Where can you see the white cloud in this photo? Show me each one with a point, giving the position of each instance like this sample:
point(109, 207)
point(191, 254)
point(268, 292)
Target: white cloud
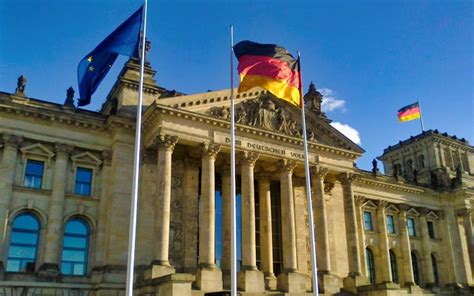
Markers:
point(330, 102)
point(347, 131)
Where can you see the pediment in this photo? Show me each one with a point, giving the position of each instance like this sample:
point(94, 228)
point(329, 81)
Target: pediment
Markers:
point(270, 113)
point(86, 158)
point(413, 212)
point(38, 150)
point(370, 205)
point(432, 216)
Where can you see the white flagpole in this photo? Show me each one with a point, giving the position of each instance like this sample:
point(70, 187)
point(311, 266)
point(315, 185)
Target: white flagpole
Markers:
point(308, 189)
point(421, 117)
point(233, 223)
point(136, 168)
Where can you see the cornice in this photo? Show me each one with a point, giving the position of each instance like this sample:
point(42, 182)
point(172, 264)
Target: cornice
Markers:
point(61, 116)
point(386, 184)
point(153, 111)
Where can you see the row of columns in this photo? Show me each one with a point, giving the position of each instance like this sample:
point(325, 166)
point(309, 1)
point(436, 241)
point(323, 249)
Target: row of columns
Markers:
point(209, 277)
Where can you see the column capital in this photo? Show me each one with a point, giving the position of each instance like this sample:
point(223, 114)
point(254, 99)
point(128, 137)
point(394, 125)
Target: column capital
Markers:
point(210, 149)
point(286, 166)
point(346, 178)
point(12, 141)
point(249, 158)
point(107, 157)
point(359, 200)
point(319, 171)
point(63, 149)
point(165, 142)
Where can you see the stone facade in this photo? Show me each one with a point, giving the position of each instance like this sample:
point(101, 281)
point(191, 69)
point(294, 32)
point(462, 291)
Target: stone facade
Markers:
point(408, 231)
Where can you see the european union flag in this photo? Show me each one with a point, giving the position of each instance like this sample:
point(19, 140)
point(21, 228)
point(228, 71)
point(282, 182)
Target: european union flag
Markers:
point(94, 66)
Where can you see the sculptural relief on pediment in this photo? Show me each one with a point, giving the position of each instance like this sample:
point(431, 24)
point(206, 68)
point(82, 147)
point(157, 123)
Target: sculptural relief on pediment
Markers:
point(264, 113)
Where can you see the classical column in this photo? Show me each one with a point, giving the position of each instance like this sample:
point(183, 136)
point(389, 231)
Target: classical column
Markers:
point(165, 145)
point(102, 211)
point(405, 246)
point(386, 274)
point(56, 211)
point(209, 277)
point(250, 279)
point(466, 215)
point(359, 202)
point(289, 280)
point(354, 279)
point(266, 244)
point(320, 221)
point(426, 248)
point(7, 174)
point(226, 225)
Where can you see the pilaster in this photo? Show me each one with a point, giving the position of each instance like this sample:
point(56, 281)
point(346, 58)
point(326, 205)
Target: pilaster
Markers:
point(405, 246)
point(386, 276)
point(50, 267)
point(11, 144)
point(426, 249)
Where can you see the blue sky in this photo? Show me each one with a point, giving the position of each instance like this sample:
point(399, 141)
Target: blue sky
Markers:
point(370, 58)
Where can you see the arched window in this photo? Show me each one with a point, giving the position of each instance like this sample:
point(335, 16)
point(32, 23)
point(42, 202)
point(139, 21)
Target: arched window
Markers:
point(421, 161)
point(416, 270)
point(370, 265)
point(434, 265)
point(393, 267)
point(23, 243)
point(75, 247)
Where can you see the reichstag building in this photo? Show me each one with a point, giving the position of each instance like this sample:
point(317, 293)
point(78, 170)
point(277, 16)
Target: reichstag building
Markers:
point(66, 182)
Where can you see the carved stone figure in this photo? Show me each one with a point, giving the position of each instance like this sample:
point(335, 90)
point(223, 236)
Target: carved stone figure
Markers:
point(69, 97)
point(314, 99)
point(375, 168)
point(20, 86)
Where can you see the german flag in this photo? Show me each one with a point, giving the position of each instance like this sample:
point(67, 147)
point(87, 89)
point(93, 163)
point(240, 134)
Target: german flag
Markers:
point(271, 67)
point(409, 112)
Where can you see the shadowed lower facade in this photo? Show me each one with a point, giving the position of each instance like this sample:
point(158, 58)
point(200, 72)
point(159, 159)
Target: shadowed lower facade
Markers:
point(65, 189)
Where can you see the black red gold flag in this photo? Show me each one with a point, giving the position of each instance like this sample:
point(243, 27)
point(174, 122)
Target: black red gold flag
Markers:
point(270, 67)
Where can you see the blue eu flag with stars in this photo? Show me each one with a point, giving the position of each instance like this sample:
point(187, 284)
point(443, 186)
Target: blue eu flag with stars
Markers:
point(94, 66)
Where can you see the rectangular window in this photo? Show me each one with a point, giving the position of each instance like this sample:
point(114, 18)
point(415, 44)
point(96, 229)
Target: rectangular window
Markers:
point(431, 231)
point(34, 174)
point(390, 224)
point(83, 181)
point(411, 227)
point(368, 221)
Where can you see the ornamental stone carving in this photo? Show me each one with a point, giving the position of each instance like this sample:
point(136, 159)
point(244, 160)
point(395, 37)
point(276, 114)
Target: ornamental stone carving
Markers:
point(328, 187)
point(210, 149)
point(359, 200)
point(319, 171)
point(382, 204)
point(63, 148)
point(346, 178)
point(166, 142)
point(286, 166)
point(107, 157)
point(20, 86)
point(262, 112)
point(249, 158)
point(12, 141)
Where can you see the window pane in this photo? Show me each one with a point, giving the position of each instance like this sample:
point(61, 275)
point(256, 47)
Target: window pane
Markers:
point(24, 238)
point(390, 224)
point(84, 175)
point(13, 265)
point(368, 221)
point(75, 242)
point(26, 221)
point(76, 227)
point(78, 269)
point(34, 168)
point(75, 256)
point(66, 268)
